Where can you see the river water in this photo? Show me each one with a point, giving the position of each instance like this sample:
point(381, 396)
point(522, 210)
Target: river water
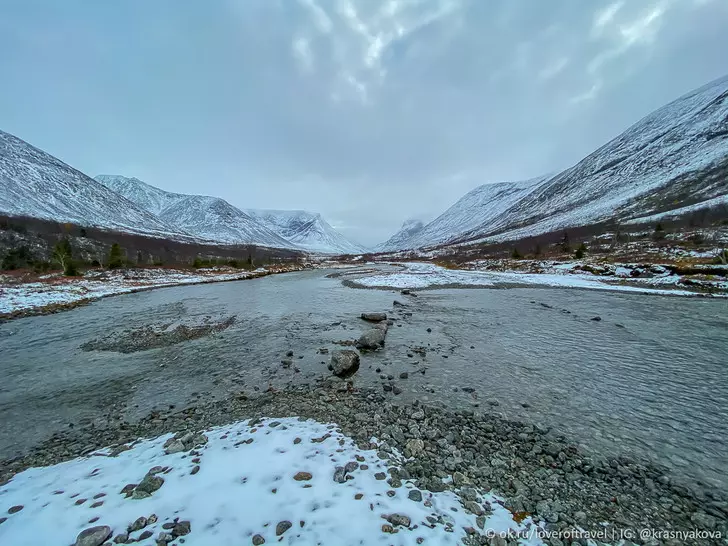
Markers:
point(650, 378)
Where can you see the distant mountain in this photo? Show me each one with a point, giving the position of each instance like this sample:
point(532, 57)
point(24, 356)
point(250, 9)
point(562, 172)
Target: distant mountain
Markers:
point(34, 183)
point(307, 230)
point(209, 218)
point(673, 161)
point(402, 239)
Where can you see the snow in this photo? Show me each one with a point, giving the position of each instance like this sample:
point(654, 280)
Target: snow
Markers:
point(94, 285)
point(634, 178)
point(242, 489)
point(36, 184)
point(425, 275)
point(401, 240)
point(307, 230)
point(207, 218)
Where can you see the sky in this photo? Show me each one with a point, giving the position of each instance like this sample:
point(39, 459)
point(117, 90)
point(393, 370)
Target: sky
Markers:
point(369, 112)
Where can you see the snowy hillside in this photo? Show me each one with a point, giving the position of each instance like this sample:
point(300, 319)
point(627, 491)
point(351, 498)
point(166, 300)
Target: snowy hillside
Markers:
point(401, 239)
point(307, 230)
point(209, 218)
point(36, 184)
point(674, 159)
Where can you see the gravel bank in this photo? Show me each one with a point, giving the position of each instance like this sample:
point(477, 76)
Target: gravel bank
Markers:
point(537, 471)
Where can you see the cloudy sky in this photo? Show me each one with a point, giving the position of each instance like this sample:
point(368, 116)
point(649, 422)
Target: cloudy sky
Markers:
point(367, 111)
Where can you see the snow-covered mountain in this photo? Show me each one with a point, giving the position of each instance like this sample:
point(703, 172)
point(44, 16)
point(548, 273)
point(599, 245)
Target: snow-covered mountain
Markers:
point(209, 218)
point(34, 183)
point(675, 158)
point(403, 238)
point(307, 230)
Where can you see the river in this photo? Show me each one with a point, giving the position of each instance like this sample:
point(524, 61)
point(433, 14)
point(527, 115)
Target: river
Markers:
point(650, 377)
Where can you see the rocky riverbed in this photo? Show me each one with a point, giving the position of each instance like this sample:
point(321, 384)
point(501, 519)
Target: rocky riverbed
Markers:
point(537, 472)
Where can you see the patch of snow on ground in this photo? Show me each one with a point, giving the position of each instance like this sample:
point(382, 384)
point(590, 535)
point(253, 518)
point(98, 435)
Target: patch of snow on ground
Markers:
point(245, 486)
point(98, 284)
point(423, 275)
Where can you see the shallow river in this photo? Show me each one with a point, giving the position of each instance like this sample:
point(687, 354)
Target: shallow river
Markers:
point(651, 377)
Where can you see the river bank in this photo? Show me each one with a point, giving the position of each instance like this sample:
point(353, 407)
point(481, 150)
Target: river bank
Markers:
point(658, 279)
point(532, 472)
point(53, 293)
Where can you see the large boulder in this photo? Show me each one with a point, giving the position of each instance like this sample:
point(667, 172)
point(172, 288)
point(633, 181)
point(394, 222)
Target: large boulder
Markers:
point(371, 340)
point(374, 317)
point(344, 362)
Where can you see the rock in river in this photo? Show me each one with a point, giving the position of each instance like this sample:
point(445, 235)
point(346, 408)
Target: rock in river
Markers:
point(344, 362)
point(371, 339)
point(374, 317)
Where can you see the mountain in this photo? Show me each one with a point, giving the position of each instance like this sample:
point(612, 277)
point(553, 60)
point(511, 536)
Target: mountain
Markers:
point(307, 230)
point(673, 161)
point(209, 218)
point(34, 183)
point(482, 205)
point(401, 239)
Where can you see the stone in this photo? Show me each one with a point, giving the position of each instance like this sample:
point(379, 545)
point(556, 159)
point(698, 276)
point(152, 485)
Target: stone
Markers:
point(93, 536)
point(121, 538)
point(150, 484)
point(15, 509)
point(596, 319)
point(418, 415)
point(344, 362)
point(398, 520)
point(415, 495)
point(302, 476)
point(414, 447)
point(139, 524)
point(175, 446)
point(371, 340)
point(282, 527)
point(145, 535)
point(339, 474)
point(374, 317)
point(181, 528)
point(258, 540)
point(404, 375)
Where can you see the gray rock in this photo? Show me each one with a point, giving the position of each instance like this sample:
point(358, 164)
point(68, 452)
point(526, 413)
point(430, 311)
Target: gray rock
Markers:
point(371, 339)
point(150, 484)
point(121, 538)
point(181, 528)
point(344, 362)
point(414, 447)
point(93, 536)
point(415, 495)
point(175, 446)
point(282, 527)
point(258, 540)
point(339, 474)
point(398, 519)
point(139, 523)
point(374, 317)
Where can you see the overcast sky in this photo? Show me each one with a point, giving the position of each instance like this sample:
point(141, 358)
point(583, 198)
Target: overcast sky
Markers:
point(369, 112)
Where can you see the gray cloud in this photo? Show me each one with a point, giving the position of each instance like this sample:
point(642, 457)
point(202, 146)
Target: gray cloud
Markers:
point(369, 112)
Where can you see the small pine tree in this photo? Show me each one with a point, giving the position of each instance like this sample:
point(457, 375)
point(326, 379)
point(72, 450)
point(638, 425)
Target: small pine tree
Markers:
point(140, 258)
point(250, 261)
point(116, 258)
point(659, 227)
point(197, 262)
point(565, 245)
point(515, 254)
point(579, 254)
point(537, 251)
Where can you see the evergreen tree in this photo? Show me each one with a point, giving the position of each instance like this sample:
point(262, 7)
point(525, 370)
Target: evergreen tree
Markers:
point(579, 254)
point(515, 254)
point(565, 245)
point(116, 258)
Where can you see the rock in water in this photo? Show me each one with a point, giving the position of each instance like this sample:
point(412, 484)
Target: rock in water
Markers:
point(344, 362)
point(371, 339)
point(374, 317)
point(93, 536)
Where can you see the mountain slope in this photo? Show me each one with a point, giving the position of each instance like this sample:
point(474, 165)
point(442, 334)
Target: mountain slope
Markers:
point(672, 160)
point(401, 239)
point(307, 230)
point(209, 218)
point(675, 157)
point(34, 183)
point(482, 205)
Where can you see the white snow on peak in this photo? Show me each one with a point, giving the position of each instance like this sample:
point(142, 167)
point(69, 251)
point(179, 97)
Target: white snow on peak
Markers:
point(209, 218)
point(33, 183)
point(400, 240)
point(307, 230)
point(673, 159)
